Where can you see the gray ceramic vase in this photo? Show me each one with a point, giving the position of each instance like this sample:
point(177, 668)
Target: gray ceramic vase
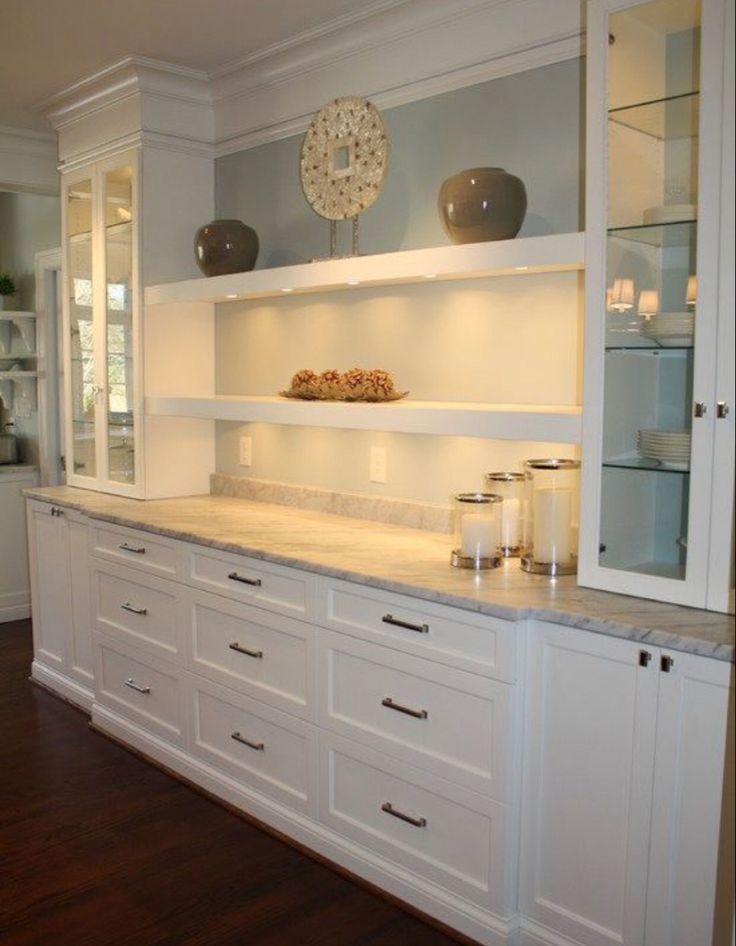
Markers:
point(226, 246)
point(482, 204)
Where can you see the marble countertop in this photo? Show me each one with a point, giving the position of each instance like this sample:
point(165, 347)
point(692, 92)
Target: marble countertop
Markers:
point(407, 561)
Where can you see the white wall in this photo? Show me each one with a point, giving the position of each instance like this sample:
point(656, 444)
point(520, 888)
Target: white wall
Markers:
point(515, 339)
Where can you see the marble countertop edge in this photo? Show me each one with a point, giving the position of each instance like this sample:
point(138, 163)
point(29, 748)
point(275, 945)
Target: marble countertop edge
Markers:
point(616, 624)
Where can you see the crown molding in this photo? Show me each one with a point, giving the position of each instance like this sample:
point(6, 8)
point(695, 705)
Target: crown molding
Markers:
point(391, 51)
point(406, 54)
point(28, 161)
point(335, 25)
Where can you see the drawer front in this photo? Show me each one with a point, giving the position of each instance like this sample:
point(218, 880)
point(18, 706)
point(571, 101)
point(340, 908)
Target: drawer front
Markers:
point(458, 638)
point(259, 746)
point(454, 724)
point(144, 611)
point(264, 655)
point(138, 549)
point(284, 590)
point(456, 840)
point(148, 694)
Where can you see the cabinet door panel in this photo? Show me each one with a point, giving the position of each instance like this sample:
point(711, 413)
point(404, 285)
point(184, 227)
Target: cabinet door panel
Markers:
point(51, 599)
point(81, 660)
point(587, 785)
point(691, 741)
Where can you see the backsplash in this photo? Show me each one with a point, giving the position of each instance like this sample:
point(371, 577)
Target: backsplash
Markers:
point(431, 517)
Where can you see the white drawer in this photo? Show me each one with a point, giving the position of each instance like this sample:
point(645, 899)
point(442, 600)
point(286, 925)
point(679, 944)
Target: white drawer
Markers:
point(459, 638)
point(145, 691)
point(261, 654)
point(445, 834)
point(454, 724)
point(261, 747)
point(150, 553)
point(285, 590)
point(143, 610)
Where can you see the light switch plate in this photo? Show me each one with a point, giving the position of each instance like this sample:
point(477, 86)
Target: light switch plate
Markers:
point(377, 471)
point(246, 451)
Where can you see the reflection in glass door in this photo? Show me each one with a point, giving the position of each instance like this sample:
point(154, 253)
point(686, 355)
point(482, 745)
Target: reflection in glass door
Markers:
point(81, 325)
point(118, 267)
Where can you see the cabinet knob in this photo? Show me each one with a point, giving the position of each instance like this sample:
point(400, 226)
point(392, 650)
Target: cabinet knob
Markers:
point(666, 663)
point(700, 409)
point(722, 410)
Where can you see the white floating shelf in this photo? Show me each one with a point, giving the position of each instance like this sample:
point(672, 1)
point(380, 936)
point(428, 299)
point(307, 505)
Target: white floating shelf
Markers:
point(544, 254)
point(449, 418)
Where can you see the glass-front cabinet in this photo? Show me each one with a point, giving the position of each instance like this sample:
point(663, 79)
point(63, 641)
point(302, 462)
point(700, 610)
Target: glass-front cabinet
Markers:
point(655, 117)
point(101, 318)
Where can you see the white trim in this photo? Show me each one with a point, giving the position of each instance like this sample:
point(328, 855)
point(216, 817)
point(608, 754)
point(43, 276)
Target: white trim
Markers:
point(392, 51)
point(15, 607)
point(69, 689)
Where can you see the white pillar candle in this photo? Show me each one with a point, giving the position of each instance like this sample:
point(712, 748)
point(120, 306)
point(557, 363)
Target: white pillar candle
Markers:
point(478, 535)
point(552, 519)
point(510, 523)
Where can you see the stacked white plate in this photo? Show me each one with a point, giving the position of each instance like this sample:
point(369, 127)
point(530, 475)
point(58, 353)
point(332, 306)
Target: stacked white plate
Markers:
point(670, 448)
point(670, 329)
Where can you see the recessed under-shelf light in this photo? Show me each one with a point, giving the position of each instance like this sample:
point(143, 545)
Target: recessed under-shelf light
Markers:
point(286, 289)
point(231, 295)
point(353, 282)
point(430, 275)
point(521, 269)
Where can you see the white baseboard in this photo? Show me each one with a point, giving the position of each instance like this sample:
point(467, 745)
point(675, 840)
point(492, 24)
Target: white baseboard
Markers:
point(467, 918)
point(15, 606)
point(69, 689)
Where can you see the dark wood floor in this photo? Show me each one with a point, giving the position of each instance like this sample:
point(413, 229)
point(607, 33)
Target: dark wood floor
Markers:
point(99, 848)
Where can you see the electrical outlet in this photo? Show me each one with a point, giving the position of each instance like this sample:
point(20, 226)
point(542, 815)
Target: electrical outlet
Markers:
point(246, 451)
point(377, 471)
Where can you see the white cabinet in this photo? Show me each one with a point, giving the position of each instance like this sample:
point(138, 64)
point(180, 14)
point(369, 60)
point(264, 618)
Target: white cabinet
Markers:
point(101, 324)
point(109, 353)
point(60, 601)
point(15, 595)
point(623, 777)
point(658, 423)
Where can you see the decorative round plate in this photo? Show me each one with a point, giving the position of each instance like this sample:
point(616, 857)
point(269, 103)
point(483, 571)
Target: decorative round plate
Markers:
point(344, 158)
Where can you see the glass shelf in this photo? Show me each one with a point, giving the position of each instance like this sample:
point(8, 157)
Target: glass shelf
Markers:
point(641, 464)
point(676, 116)
point(649, 349)
point(678, 233)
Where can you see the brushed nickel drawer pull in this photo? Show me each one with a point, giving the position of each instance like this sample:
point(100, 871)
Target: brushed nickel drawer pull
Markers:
point(138, 549)
point(256, 582)
point(419, 628)
point(258, 746)
point(417, 714)
point(130, 682)
point(129, 607)
point(390, 810)
point(258, 654)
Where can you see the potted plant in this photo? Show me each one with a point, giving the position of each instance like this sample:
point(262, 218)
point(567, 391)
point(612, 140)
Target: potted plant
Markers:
point(7, 288)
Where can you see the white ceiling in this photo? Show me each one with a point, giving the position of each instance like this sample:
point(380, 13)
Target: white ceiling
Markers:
point(49, 44)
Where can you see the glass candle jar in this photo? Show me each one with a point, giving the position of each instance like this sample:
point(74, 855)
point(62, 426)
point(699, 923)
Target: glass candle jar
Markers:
point(552, 497)
point(510, 486)
point(477, 530)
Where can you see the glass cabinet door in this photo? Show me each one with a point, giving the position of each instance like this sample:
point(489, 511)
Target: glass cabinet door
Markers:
point(653, 185)
point(82, 383)
point(100, 312)
point(120, 419)
point(651, 286)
